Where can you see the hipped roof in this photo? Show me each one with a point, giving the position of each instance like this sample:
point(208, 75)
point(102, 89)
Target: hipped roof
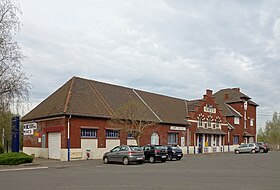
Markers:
point(89, 98)
point(234, 95)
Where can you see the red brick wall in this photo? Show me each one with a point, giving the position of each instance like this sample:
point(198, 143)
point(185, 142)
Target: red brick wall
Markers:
point(43, 127)
point(60, 125)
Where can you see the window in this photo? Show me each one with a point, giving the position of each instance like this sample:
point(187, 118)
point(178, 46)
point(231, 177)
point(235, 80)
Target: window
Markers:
point(112, 134)
point(88, 133)
point(235, 139)
point(124, 148)
point(172, 138)
point(130, 135)
point(251, 122)
point(209, 123)
point(116, 149)
point(217, 124)
point(236, 120)
point(200, 124)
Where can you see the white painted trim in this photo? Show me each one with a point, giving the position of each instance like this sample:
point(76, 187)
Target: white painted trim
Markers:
point(193, 121)
point(235, 110)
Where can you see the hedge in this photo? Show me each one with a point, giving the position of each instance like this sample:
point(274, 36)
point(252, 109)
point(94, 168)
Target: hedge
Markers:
point(15, 158)
point(1, 150)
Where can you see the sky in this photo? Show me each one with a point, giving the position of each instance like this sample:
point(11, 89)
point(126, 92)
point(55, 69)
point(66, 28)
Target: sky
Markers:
point(177, 48)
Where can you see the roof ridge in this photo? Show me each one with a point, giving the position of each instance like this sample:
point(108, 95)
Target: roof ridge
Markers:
point(68, 95)
point(147, 105)
point(101, 98)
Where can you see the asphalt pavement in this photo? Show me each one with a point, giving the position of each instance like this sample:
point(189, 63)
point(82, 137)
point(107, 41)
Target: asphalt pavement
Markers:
point(208, 171)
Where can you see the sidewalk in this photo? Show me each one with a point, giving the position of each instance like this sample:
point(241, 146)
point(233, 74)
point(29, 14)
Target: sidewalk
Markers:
point(50, 163)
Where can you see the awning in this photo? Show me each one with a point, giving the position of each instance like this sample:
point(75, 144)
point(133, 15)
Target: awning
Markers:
point(209, 131)
point(246, 134)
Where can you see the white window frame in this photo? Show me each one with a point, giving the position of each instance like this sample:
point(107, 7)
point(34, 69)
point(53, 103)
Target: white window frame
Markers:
point(251, 122)
point(236, 120)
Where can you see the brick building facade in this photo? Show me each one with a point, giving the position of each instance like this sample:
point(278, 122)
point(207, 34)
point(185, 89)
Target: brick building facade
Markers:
point(74, 120)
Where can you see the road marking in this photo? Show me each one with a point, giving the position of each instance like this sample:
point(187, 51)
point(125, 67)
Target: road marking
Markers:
point(19, 169)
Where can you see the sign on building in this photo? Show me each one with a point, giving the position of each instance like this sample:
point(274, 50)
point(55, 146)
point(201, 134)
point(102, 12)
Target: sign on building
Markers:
point(28, 128)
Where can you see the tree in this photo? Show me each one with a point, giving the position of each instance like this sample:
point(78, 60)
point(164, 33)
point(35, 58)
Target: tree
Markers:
point(14, 86)
point(133, 119)
point(272, 130)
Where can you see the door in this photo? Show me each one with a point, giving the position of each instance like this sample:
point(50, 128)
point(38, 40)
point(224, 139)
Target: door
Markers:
point(54, 144)
point(154, 139)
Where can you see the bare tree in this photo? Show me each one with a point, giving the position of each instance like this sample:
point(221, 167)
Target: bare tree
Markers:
point(133, 119)
point(14, 86)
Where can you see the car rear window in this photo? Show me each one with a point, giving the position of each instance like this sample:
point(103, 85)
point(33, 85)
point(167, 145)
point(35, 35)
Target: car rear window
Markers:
point(159, 147)
point(136, 148)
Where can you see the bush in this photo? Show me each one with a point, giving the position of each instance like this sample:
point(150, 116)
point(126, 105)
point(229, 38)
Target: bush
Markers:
point(15, 158)
point(1, 150)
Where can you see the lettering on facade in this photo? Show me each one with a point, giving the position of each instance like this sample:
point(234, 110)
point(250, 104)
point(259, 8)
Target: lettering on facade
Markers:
point(209, 109)
point(177, 128)
point(28, 128)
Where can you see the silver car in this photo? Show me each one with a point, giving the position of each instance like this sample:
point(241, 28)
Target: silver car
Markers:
point(124, 154)
point(247, 147)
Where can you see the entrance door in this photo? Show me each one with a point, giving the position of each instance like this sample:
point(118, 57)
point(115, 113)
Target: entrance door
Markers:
point(54, 145)
point(200, 143)
point(154, 139)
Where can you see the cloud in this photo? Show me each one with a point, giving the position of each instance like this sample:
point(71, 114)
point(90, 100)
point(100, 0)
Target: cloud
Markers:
point(176, 48)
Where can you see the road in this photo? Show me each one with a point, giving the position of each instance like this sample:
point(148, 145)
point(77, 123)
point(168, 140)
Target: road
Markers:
point(211, 171)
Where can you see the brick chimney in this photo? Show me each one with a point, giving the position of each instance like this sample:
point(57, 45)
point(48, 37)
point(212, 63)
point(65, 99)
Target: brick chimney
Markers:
point(209, 92)
point(226, 96)
point(236, 89)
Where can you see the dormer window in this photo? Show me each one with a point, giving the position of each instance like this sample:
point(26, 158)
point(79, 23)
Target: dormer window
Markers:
point(236, 120)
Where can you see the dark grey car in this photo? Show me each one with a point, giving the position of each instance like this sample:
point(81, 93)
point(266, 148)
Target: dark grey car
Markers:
point(124, 154)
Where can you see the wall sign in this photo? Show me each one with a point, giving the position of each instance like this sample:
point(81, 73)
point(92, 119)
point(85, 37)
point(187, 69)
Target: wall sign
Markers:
point(28, 128)
point(177, 128)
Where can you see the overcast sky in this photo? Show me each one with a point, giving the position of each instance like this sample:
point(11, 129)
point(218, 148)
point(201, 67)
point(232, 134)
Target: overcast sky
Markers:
point(177, 48)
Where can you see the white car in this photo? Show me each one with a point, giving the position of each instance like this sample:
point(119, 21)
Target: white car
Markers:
point(247, 147)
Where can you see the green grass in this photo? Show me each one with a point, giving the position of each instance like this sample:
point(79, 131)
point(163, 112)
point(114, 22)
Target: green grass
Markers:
point(15, 158)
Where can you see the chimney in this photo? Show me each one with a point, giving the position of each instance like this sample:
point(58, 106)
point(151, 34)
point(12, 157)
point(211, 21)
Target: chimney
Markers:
point(236, 89)
point(209, 93)
point(226, 96)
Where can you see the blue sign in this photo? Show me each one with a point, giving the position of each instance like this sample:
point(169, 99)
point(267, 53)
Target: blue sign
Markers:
point(15, 134)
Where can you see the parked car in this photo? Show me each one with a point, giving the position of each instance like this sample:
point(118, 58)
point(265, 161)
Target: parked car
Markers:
point(155, 153)
point(247, 147)
point(174, 152)
point(124, 154)
point(264, 147)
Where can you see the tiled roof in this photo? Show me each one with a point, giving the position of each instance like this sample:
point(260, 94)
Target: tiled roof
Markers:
point(192, 103)
point(234, 95)
point(90, 98)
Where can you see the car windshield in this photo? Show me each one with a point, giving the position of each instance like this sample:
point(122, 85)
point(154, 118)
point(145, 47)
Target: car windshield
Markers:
point(135, 148)
point(159, 147)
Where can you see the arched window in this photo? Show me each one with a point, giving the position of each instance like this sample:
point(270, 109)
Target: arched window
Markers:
point(154, 139)
point(217, 123)
point(200, 124)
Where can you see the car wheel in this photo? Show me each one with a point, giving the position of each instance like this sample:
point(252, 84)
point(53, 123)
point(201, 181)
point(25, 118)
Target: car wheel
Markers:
point(163, 160)
point(237, 152)
point(262, 150)
point(253, 151)
point(105, 160)
point(140, 162)
point(169, 157)
point(125, 161)
point(152, 159)
point(179, 158)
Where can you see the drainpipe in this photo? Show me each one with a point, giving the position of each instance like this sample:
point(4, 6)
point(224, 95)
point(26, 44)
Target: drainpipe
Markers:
point(68, 138)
